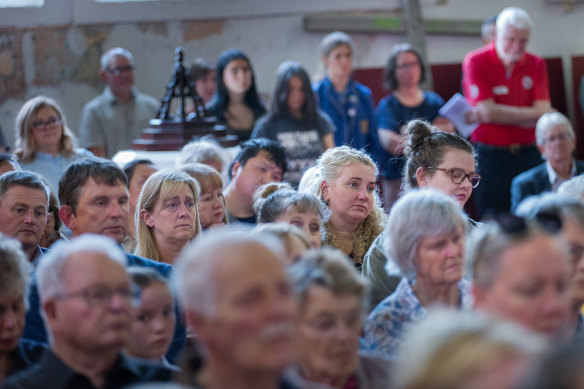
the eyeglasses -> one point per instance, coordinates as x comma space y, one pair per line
42, 124
99, 297
120, 69
407, 66
458, 175
560, 137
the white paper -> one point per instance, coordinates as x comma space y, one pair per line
455, 110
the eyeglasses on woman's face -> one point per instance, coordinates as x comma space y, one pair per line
40, 125
458, 175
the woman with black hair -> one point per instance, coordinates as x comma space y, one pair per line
236, 102
295, 121
404, 72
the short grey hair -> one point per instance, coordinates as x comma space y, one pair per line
549, 120
515, 17
329, 268
50, 269
573, 188
420, 213
334, 40
15, 270
563, 206
115, 52
446, 345
488, 243
193, 279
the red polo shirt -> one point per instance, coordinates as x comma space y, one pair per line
485, 77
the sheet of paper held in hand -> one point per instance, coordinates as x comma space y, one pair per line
455, 110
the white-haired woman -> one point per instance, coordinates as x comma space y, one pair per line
330, 297
347, 185
426, 236
166, 215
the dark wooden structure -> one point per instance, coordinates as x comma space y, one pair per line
168, 132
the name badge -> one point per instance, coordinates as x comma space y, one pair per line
501, 90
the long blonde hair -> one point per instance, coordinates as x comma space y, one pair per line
157, 187
328, 168
26, 146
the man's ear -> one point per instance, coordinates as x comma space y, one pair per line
422, 177
67, 216
49, 310
102, 75
199, 324
235, 169
147, 217
479, 295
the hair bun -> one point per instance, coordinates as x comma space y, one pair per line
418, 131
262, 193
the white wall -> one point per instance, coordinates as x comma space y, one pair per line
269, 31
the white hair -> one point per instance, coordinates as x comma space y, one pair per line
515, 17
50, 269
573, 188
115, 52
193, 279
548, 121
450, 333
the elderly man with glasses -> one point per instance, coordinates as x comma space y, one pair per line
555, 140
86, 298
110, 121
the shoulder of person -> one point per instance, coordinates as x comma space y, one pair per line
162, 268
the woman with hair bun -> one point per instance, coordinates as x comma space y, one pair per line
279, 203
434, 159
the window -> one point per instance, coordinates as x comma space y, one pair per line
21, 3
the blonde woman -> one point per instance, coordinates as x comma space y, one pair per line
44, 143
166, 215
347, 186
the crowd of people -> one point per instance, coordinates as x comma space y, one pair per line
330, 249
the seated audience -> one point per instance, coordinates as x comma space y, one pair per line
205, 79
205, 151
463, 350
166, 215
330, 316
86, 300
8, 163
292, 238
24, 204
236, 102
237, 299
520, 272
113, 119
94, 200
295, 121
16, 354
153, 319
571, 211
404, 73
52, 232
555, 140
44, 143
211, 203
573, 188
347, 186
426, 236
259, 162
434, 159
279, 203
137, 172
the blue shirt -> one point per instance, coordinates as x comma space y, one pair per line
52, 168
386, 324
391, 114
353, 120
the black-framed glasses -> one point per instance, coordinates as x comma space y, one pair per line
120, 69
99, 296
42, 124
458, 175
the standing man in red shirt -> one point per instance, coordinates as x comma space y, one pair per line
509, 89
